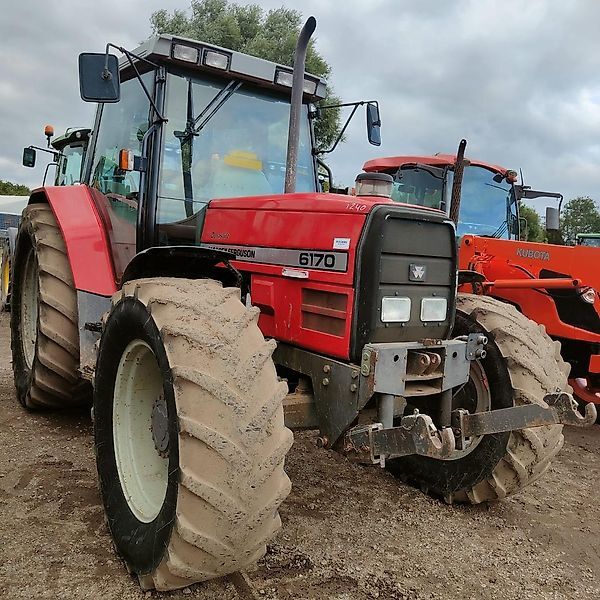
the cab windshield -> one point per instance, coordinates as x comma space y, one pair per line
487, 207
593, 242
225, 141
421, 185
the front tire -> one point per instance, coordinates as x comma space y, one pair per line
522, 365
185, 382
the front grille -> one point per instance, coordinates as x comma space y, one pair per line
397, 245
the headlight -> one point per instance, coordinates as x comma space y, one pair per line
433, 309
395, 310
589, 295
186, 53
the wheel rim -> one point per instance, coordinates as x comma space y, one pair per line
474, 396
29, 309
140, 431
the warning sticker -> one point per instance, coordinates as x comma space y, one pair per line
341, 243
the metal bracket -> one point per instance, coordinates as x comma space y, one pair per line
359, 440
476, 343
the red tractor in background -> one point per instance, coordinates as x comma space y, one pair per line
198, 231
556, 286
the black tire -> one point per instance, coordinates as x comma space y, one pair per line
522, 364
224, 409
45, 355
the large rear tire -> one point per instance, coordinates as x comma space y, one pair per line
44, 318
522, 365
189, 431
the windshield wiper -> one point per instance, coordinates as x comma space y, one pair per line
192, 129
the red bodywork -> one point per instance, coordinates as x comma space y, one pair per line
304, 222
308, 307
436, 160
85, 235
514, 264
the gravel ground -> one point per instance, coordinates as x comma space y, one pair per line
350, 532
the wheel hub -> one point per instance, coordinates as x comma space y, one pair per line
160, 426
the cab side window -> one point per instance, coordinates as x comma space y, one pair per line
122, 126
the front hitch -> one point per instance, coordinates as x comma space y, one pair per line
416, 434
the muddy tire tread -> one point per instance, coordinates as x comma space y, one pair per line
535, 368
232, 438
56, 377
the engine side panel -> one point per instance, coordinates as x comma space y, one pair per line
301, 266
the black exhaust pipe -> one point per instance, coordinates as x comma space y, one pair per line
296, 105
459, 169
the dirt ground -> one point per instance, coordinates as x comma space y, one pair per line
350, 532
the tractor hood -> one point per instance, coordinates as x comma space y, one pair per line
312, 203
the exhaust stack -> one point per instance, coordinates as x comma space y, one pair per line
296, 105
459, 168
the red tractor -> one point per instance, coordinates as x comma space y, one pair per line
213, 298
556, 286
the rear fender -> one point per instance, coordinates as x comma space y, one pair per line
85, 236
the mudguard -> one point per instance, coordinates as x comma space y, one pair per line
85, 236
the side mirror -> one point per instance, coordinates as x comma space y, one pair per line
99, 77
28, 157
373, 124
552, 219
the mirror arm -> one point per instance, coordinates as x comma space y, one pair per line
128, 55
341, 134
56, 155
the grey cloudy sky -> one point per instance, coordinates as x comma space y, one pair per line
518, 78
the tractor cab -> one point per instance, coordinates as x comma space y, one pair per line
67, 151
188, 123
489, 194
71, 148
588, 239
489, 198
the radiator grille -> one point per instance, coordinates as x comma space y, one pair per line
396, 240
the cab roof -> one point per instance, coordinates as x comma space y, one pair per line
160, 49
435, 160
71, 136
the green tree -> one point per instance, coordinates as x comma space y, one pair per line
271, 35
535, 231
8, 188
580, 215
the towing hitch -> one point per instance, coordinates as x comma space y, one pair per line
417, 434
